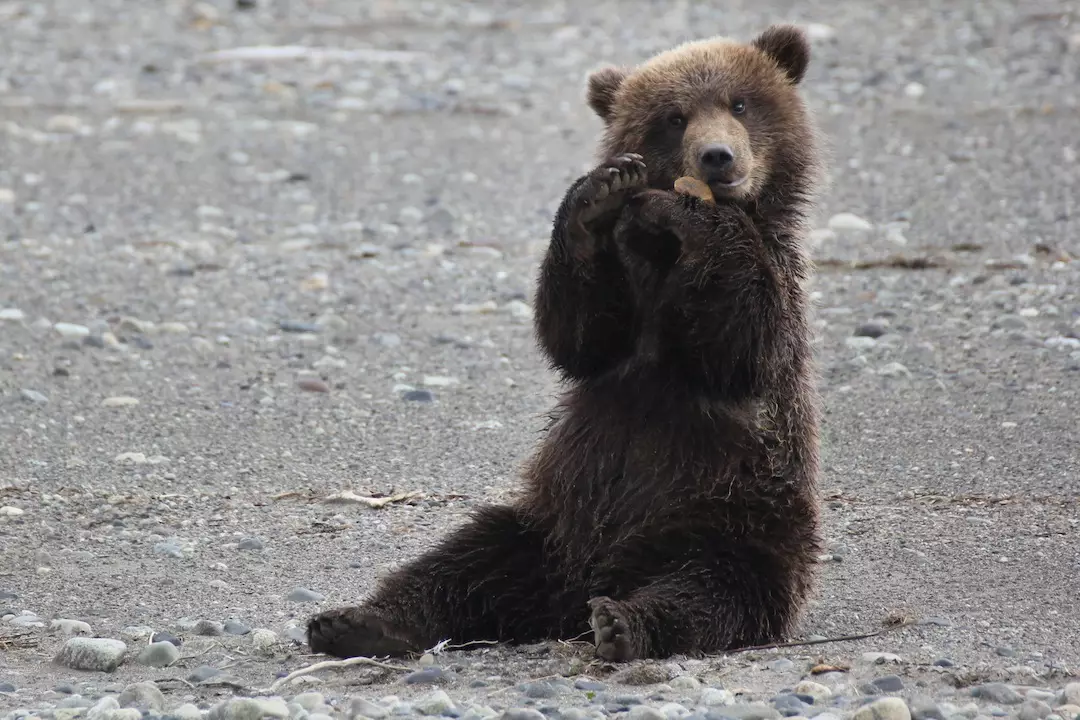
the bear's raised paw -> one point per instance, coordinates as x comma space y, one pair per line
611, 633
604, 190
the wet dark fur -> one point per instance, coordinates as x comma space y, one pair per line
672, 503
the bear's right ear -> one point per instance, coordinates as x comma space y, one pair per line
788, 46
603, 84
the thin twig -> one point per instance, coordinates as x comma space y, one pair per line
335, 665
822, 641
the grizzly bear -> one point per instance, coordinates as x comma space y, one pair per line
672, 505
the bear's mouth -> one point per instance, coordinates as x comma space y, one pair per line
728, 184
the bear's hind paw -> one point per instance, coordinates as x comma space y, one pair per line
350, 632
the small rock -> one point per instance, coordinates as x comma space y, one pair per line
914, 90
870, 330
142, 695
748, 711
437, 703
165, 636
685, 682
10, 511
310, 701
71, 627
781, 665
421, 396
674, 711
263, 639
71, 331
1034, 710
187, 711
427, 676
894, 369
158, 655
644, 712
103, 708
818, 32
208, 628
249, 709
522, 714
6, 687
589, 685
538, 690
924, 708
888, 683
1068, 712
716, 697
33, 396
999, 693
119, 401
1071, 694
361, 707
944, 662
647, 674
100, 654
167, 549
235, 627
1009, 322
250, 543
12, 315
819, 692
203, 672
890, 708
880, 658
849, 221
313, 385
303, 595
1006, 651
789, 705
298, 327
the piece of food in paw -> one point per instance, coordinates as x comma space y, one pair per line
692, 186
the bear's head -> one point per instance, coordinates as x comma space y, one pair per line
725, 112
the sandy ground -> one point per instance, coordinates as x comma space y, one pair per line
230, 233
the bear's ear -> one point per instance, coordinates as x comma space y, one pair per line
603, 84
788, 46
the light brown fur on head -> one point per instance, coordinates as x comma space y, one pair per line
709, 93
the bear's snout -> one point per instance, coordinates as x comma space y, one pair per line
716, 161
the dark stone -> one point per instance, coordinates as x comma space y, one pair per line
427, 676
166, 637
870, 330
298, 327
421, 396
889, 683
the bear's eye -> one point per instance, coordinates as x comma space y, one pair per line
676, 120
738, 107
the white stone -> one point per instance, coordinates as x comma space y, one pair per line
119, 401
849, 221
71, 331
13, 314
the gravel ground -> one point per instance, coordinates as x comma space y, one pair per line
233, 289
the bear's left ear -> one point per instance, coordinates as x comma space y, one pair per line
603, 84
788, 46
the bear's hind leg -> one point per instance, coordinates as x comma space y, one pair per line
703, 607
489, 580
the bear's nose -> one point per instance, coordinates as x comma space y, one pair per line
716, 158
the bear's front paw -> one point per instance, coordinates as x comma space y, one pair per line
611, 633
350, 632
605, 189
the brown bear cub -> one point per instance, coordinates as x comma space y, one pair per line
672, 506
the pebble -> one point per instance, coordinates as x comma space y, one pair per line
999, 693
589, 685
203, 672
894, 369
263, 639
538, 690
235, 627
437, 703
522, 714
781, 665
880, 658
849, 221
884, 709
313, 385
310, 701
142, 695
11, 511
303, 595
819, 692
924, 708
1071, 694
750, 711
158, 655
362, 707
71, 331
870, 330
208, 628
119, 401
164, 636
33, 396
713, 697
167, 549
6, 687
187, 711
789, 705
426, 676
685, 682
250, 543
644, 712
71, 627
103, 708
249, 709
888, 683
101, 654
1034, 710
421, 396
12, 314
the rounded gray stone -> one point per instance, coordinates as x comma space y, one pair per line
890, 708
99, 654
